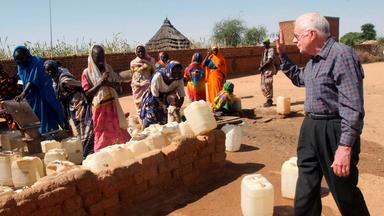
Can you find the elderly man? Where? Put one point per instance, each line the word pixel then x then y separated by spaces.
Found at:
pixel 329 142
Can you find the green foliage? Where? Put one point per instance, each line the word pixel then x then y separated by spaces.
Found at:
pixel 61 48
pixel 351 38
pixel 229 32
pixel 255 35
pixel 368 31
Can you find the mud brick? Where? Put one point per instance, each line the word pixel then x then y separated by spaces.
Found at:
pixel 166 179
pixel 92 198
pixel 78 212
pixel 51 211
pixel 113 211
pixel 151 173
pixel 211 137
pixel 108 184
pixel 171 151
pixel 10 211
pixel 7 201
pixel 145 196
pixel 139 177
pixel 56 196
pixel 151 158
pixel 140 188
pixel 163 167
pixel 203 163
pixel 72 204
pixel 176 174
pixel 219 137
pixel 218 157
pixel 87 183
pixel 190 178
pixel 202 141
pixel 186 169
pixel 174 164
pixel 188 158
pixel 132 169
pixel 126 195
pixel 207 150
pixel 103 204
pixel 220 148
pixel 26 206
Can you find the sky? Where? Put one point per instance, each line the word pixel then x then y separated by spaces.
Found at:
pixel 138 20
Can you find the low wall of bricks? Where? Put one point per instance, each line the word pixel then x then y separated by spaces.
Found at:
pixel 126 190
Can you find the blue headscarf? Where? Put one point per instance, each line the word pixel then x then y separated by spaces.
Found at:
pixel 41 96
pixel 166 72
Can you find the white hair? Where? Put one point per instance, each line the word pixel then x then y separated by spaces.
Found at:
pixel 314 21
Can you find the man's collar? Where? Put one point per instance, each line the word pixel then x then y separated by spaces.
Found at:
pixel 326 48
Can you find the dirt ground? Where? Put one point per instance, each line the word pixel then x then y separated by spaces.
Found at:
pixel 266 145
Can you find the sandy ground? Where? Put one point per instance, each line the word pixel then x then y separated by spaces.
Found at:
pixel 265 146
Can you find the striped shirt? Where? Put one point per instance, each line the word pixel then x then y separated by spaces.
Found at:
pixel 334 85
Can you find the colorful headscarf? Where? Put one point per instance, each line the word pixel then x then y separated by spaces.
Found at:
pixel 227 86
pixel 166 72
pixel 196 58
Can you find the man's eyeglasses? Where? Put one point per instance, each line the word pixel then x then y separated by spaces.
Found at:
pixel 299 36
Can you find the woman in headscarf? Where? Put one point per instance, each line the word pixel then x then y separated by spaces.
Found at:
pixel 195 76
pixel 75 103
pixel 167 81
pixel 109 123
pixel 38 90
pixel 8 91
pixel 142 67
pixel 163 60
pixel 225 99
pixel 216 72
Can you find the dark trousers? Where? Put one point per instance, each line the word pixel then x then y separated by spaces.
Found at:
pixel 318 142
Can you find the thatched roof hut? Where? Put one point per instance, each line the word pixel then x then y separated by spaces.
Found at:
pixel 168 38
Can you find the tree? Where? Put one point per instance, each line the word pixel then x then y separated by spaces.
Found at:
pixel 255 35
pixel 351 38
pixel 229 32
pixel 368 31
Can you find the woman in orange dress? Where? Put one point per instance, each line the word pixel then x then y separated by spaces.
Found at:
pixel 215 72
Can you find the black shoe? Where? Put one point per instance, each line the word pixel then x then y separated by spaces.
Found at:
pixel 268 103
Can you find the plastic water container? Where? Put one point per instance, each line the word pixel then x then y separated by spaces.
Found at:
pixel 289 175
pixel 185 130
pixel 256 196
pixel 74 149
pixel 120 153
pixel 12 141
pixel 26 171
pixel 283 105
pixel 5 168
pixel 55 154
pixel 4 190
pixel 200 118
pixel 49 144
pixel 137 147
pixel 156 141
pixel 58 166
pixel 232 137
pixel 99 161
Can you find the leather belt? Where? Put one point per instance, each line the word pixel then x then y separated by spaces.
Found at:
pixel 316 116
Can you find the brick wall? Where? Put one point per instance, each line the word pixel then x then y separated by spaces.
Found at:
pixel 240 61
pixel 288 26
pixel 125 190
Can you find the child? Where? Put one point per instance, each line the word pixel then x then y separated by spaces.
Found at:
pixel 173 110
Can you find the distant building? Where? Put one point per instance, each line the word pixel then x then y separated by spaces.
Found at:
pixel 288 26
pixel 168 38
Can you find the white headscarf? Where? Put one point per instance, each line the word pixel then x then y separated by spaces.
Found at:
pixel 94 76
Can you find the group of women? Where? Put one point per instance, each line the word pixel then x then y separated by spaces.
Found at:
pixel 91 104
